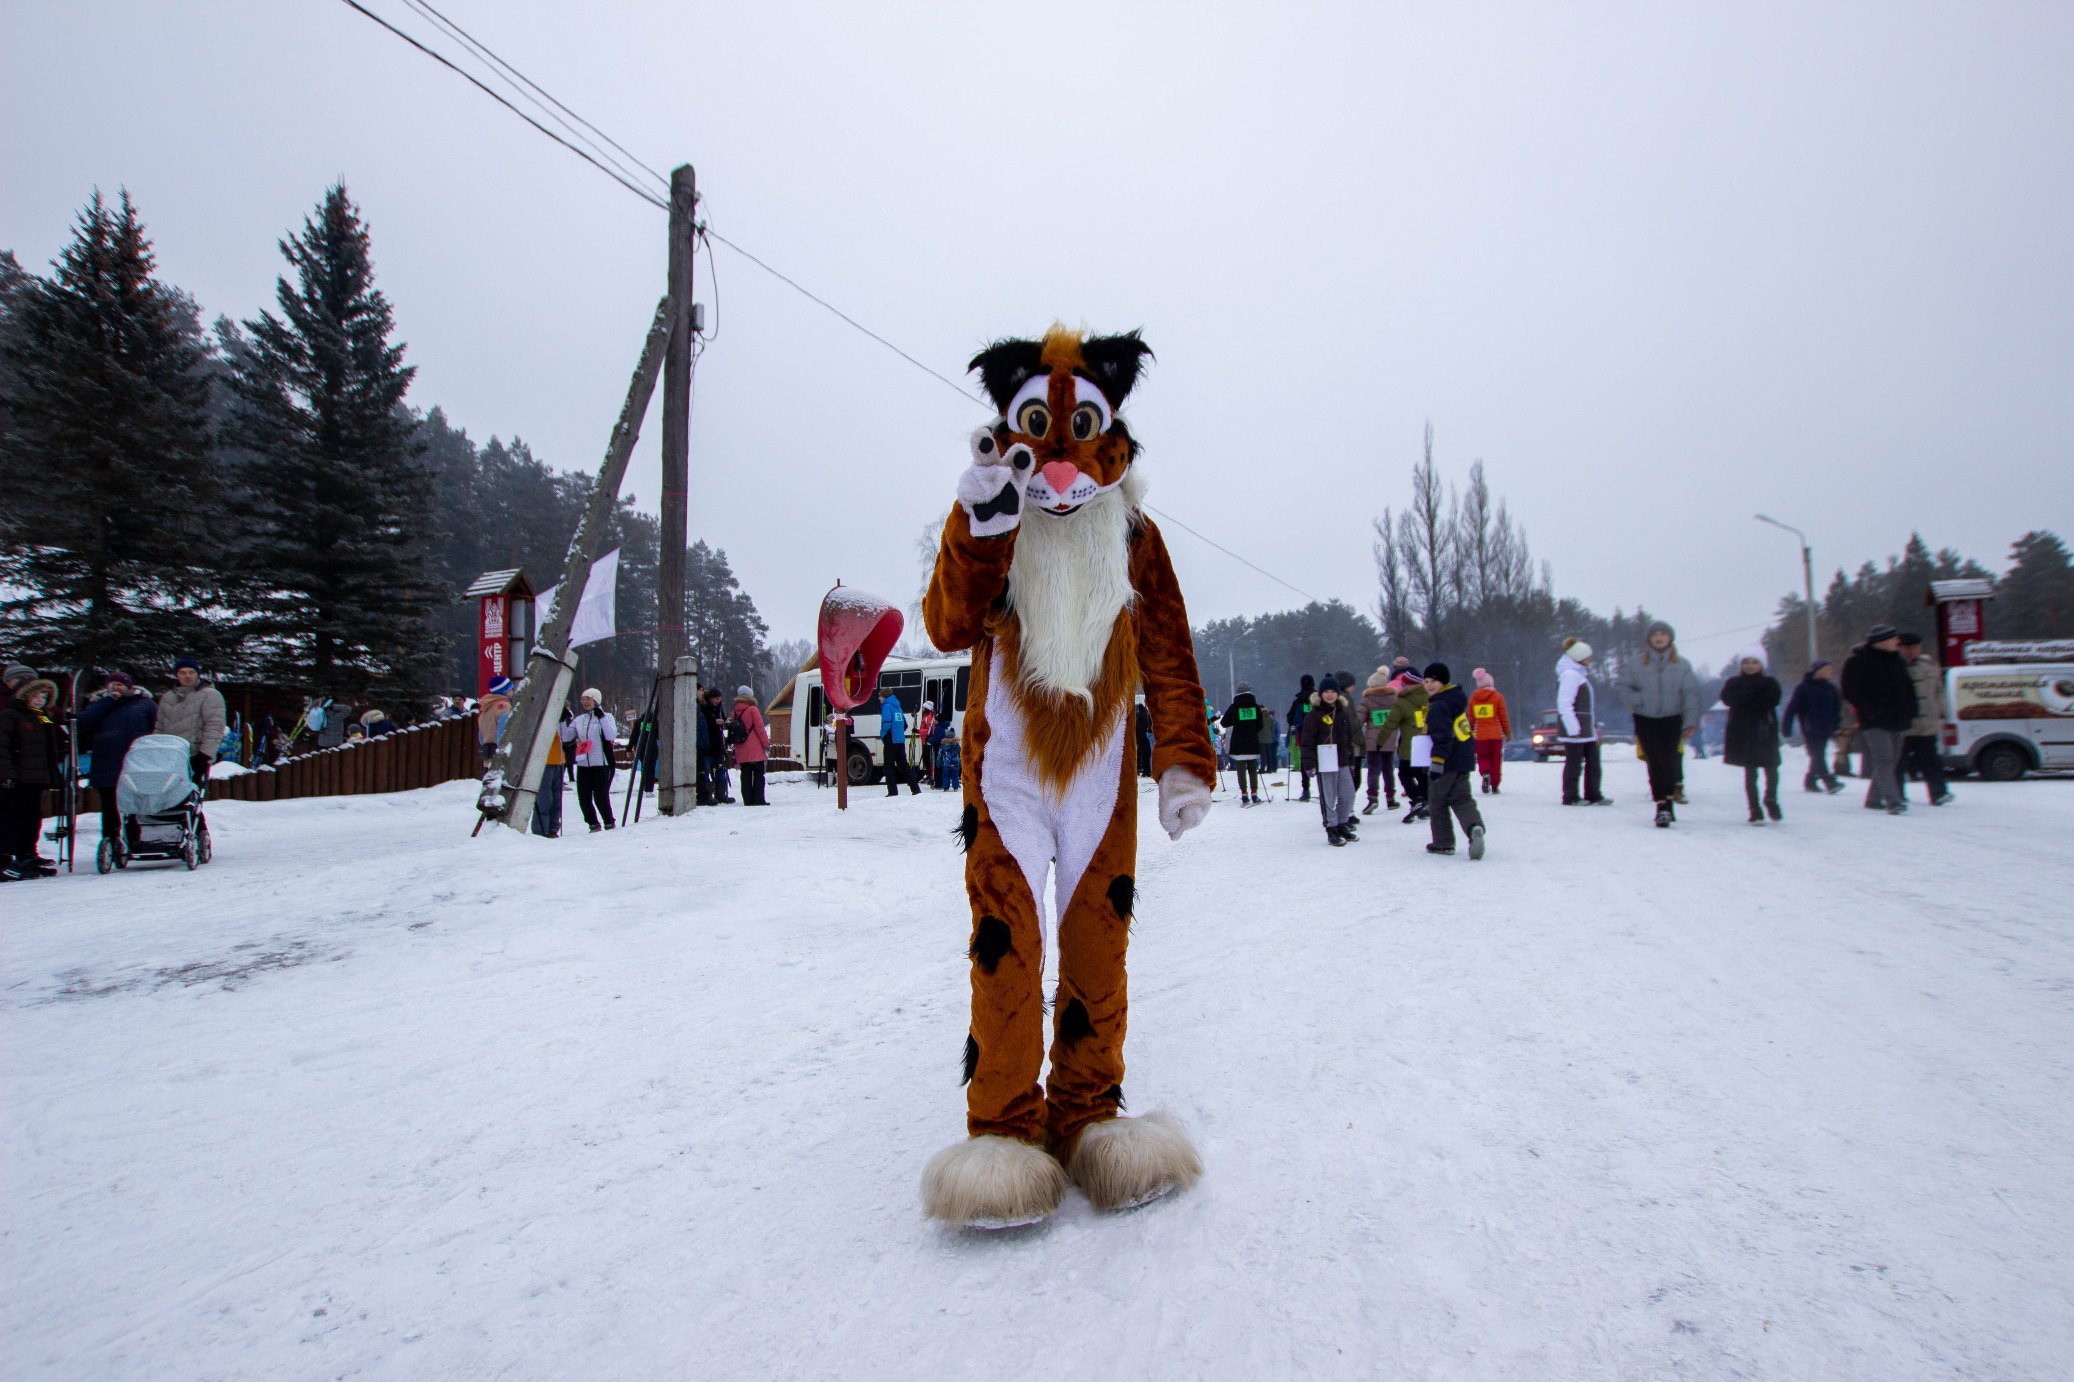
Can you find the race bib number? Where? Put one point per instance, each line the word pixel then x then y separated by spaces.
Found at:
pixel 1376 717
pixel 1422 751
pixel 1247 712
pixel 1418 720
pixel 1486 711
pixel 1328 758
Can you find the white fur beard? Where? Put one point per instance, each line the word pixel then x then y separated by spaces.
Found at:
pixel 1070 578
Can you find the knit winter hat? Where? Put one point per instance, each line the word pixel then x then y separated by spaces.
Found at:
pixel 1378 680
pixel 1911 639
pixel 1880 633
pixel 1326 685
pixel 500 686
pixel 1657 626
pixel 1306 683
pixel 1817 665
pixel 17 672
pixel 120 679
pixel 1245 688
pixel 1754 653
pixel 1576 649
pixel 596 698
pixel 1437 671
pixel 1482 678
pixel 187 663
pixel 743 693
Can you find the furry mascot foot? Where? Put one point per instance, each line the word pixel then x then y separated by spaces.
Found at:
pixel 1122 1163
pixel 992 1182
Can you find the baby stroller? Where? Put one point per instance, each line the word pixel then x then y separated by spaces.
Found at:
pixel 160 805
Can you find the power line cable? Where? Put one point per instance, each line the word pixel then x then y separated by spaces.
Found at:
pixel 477 82
pixel 621 176
pixel 483 50
pixel 803 291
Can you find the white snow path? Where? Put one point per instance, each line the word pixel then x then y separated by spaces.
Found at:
pixel 365 1098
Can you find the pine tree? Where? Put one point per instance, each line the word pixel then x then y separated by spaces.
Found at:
pixel 722 628
pixel 2036 598
pixel 106 457
pixel 341 524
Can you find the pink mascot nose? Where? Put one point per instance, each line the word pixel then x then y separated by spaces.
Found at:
pixel 1060 475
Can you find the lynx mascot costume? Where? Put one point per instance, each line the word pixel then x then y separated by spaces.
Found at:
pixel 1068 611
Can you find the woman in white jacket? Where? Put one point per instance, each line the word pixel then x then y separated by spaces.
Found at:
pixel 1578 713
pixel 588 737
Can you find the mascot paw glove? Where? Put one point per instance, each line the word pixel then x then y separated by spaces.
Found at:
pixel 991 490
pixel 1183 802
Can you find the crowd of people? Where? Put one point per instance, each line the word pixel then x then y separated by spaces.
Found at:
pixel 1408 737
pixel 1420 733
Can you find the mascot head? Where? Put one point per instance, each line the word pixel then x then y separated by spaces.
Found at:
pixel 1061 425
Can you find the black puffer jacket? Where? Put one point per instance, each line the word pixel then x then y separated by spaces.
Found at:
pixel 1752 737
pixel 1878 686
pixel 30 752
pixel 1243 719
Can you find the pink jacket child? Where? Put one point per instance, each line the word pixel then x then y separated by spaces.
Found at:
pixel 756 748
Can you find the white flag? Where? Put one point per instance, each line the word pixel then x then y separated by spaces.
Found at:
pixel 598 615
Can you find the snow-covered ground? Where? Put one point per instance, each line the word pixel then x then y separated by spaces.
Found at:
pixel 366 1098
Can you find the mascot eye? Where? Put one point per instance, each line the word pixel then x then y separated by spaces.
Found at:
pixel 1087 422
pixel 1033 420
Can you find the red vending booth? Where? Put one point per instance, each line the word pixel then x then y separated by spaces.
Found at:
pixel 504 625
pixel 1961 616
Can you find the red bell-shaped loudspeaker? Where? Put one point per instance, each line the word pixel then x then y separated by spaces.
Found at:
pixel 857 631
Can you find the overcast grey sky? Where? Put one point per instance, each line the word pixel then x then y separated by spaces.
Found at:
pixel 1659 266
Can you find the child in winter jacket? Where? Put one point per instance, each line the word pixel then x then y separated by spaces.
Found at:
pixel 1402 729
pixel 1378 699
pixel 1493 727
pixel 1752 740
pixel 1454 759
pixel 1328 745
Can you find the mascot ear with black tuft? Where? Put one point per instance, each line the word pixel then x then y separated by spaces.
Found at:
pixel 1006 366
pixel 1113 363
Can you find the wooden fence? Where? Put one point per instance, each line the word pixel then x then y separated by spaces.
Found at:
pixel 420 756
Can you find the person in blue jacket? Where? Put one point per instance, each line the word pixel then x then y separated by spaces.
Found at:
pixel 1454 764
pixel 1819 707
pixel 893 737
pixel 118 717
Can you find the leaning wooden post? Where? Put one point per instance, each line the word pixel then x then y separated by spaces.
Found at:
pixel 522 752
pixel 676 791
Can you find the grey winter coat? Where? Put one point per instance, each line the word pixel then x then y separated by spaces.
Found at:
pixel 1929 683
pixel 196 714
pixel 1658 684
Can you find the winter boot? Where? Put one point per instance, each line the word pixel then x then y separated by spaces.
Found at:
pixel 1369 810
pixel 1484 783
pixel 1663 815
pixel 1334 836
pixel 1756 816
pixel 1771 808
pixel 992 1182
pixel 1476 842
pixel 1121 1163
pixel 1440 849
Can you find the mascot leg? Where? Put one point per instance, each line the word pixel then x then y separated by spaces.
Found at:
pixel 1118 1162
pixel 1001 1175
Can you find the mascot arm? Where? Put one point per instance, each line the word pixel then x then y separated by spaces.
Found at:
pixel 1166 666
pixel 971 574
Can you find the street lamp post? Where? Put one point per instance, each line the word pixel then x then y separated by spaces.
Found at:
pixel 1807 575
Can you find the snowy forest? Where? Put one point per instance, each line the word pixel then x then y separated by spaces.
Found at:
pixel 263 495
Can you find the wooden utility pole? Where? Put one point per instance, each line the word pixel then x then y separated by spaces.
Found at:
pixel 522 753
pixel 676 788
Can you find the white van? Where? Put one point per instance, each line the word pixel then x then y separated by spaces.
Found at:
pixel 2003 720
pixel 797 714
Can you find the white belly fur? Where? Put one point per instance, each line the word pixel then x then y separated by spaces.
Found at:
pixel 1041 830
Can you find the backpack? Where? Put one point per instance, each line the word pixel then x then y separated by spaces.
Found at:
pixel 737 732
